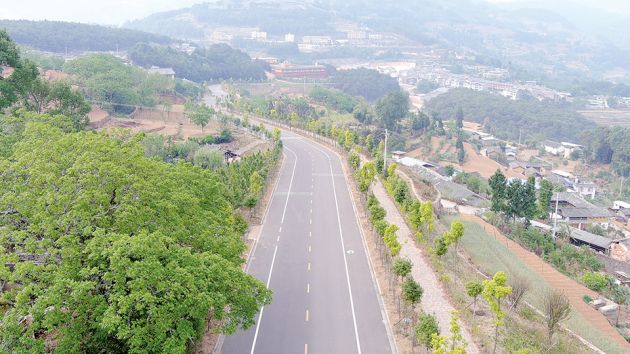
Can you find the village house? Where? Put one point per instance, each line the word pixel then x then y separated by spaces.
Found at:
pixel 553 147
pixel 622 211
pixel 569 148
pixel 168 72
pixel 577 212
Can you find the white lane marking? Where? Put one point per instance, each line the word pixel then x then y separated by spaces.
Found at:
pixel 309 248
pixel 308 288
pixel 280 230
pixel 392 342
pixel 305 348
pixel 310 233
pixel 309 265
pixel 273 260
pixel 273 198
pixel 345 260
pixel 306 315
pixel 311 221
pixel 262 309
pixel 278 238
pixel 290 184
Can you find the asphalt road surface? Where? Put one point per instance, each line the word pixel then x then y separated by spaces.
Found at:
pixel 311 254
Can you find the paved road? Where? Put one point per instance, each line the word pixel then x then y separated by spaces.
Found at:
pixel 311 254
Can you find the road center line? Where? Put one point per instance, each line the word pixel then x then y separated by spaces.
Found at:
pixel 306 315
pixel 308 288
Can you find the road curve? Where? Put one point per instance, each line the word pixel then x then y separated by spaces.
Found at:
pixel 311 254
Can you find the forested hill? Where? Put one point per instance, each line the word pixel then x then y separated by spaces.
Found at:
pixel 59 37
pixel 507 118
pixel 218 62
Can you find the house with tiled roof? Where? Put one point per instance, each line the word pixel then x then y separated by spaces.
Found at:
pixel 577 212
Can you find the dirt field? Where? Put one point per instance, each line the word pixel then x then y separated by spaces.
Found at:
pixel 474 162
pixel 609 117
pixel 174 124
pixel 573 290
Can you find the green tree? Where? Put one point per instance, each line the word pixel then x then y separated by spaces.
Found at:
pixel 402 267
pixel 411 294
pixel 441 246
pixel 494 291
pixel 392 108
pixel 426 328
pixel 256 183
pixel 544 198
pixel 454 344
pixel 529 200
pixel 208 158
pixel 450 170
pixel 459 118
pixel 201 115
pixel 455 234
pixel 498 190
pixel 474 289
pixel 140 250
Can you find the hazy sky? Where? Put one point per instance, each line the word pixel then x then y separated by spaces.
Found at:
pixel 115 12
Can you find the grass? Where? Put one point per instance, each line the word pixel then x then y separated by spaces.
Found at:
pixel 491 256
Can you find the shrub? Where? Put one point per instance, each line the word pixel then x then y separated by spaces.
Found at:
pixel 595 281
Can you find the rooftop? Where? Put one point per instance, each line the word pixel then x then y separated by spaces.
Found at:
pixel 590 238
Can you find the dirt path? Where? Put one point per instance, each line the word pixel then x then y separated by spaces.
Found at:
pixel 434 300
pixel 572 289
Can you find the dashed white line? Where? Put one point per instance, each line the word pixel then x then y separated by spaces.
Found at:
pixel 307 316
pixel 308 288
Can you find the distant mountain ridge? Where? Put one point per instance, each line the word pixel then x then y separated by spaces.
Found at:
pixel 538 39
pixel 59 37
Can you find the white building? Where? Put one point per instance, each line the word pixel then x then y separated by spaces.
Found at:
pixel 289 37
pixel 258 35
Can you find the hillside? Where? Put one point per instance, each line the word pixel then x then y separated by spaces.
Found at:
pixel 60 37
pixel 507 118
pixel 533 43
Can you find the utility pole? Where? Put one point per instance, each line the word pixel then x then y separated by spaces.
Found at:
pixel 385 153
pixel 555 216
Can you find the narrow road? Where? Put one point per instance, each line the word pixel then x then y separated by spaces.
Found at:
pixel 311 254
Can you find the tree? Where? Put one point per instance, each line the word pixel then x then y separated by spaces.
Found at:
pixel 276 134
pixel 391 240
pixel 201 115
pixel 208 158
pixel 411 294
pixel 498 189
pixel 255 183
pixel 441 246
pixel 494 291
pixel 449 170
pixel 544 198
pixel 456 233
pixel 454 344
pixel 461 153
pixel 366 175
pixel 557 309
pixel 530 208
pixel 9 53
pixel 392 108
pixel 140 250
pixel 474 289
pixel 402 267
pixel 426 328
pixel 459 118
pixel 520 286
pixel 354 160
